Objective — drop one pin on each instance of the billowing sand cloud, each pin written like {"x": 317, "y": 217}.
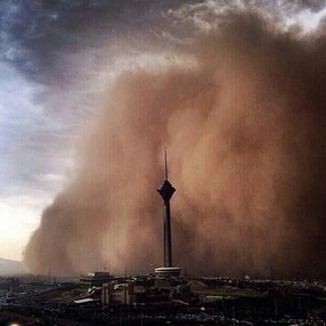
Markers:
{"x": 244, "y": 123}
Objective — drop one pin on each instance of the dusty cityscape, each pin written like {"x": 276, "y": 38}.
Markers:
{"x": 103, "y": 299}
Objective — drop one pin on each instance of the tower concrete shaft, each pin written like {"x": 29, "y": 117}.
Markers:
{"x": 167, "y": 235}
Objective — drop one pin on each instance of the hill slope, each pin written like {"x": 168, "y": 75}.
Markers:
{"x": 10, "y": 267}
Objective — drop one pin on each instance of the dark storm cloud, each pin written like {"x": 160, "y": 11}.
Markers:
{"x": 37, "y": 34}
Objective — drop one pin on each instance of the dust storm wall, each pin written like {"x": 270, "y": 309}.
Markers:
{"x": 241, "y": 111}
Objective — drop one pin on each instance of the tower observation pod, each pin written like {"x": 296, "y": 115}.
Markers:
{"x": 166, "y": 190}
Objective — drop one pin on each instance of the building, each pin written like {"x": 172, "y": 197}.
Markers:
{"x": 118, "y": 293}
{"x": 96, "y": 279}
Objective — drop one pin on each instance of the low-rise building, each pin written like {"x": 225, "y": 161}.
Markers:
{"x": 96, "y": 279}
{"x": 118, "y": 293}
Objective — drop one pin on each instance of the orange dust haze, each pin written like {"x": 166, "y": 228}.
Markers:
{"x": 242, "y": 113}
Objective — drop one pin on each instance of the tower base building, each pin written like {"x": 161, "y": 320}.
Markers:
{"x": 167, "y": 272}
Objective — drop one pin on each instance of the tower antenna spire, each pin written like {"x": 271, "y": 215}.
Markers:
{"x": 165, "y": 164}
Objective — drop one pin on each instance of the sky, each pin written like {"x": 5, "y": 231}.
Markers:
{"x": 56, "y": 58}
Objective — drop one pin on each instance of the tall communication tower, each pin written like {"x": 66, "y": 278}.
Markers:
{"x": 166, "y": 190}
